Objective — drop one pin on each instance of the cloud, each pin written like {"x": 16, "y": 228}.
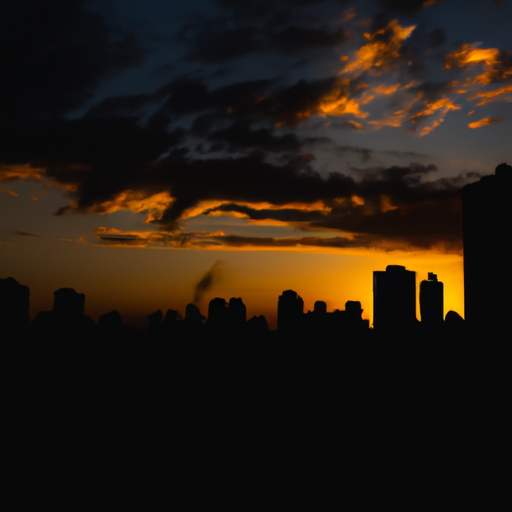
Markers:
{"x": 56, "y": 53}
{"x": 497, "y": 64}
{"x": 239, "y": 136}
{"x": 289, "y": 215}
{"x": 486, "y": 121}
{"x": 19, "y": 172}
{"x": 367, "y": 154}
{"x": 245, "y": 28}
{"x": 289, "y": 242}
{"x": 501, "y": 94}
{"x": 224, "y": 146}
{"x": 383, "y": 49}
{"x": 406, "y": 6}
{"x": 358, "y": 241}
{"x": 396, "y": 206}
{"x": 177, "y": 238}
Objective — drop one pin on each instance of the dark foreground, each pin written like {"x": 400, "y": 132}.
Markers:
{"x": 266, "y": 422}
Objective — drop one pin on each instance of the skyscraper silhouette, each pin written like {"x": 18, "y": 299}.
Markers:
{"x": 431, "y": 301}
{"x": 487, "y": 230}
{"x": 394, "y": 298}
{"x": 290, "y": 310}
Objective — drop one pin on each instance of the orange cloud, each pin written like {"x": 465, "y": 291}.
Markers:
{"x": 137, "y": 202}
{"x": 497, "y": 64}
{"x": 501, "y": 94}
{"x": 117, "y": 238}
{"x": 336, "y": 104}
{"x": 386, "y": 90}
{"x": 20, "y": 172}
{"x": 380, "y": 52}
{"x": 466, "y": 54}
{"x": 486, "y": 121}
{"x": 440, "y": 107}
{"x": 355, "y": 124}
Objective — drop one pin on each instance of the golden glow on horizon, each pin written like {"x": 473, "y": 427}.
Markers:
{"x": 139, "y": 282}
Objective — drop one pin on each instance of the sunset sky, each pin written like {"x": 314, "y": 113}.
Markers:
{"x": 286, "y": 144}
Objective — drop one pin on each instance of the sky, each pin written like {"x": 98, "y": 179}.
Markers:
{"x": 271, "y": 145}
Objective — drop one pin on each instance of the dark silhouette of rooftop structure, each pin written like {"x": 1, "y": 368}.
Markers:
{"x": 394, "y": 298}
{"x": 487, "y": 230}
{"x": 67, "y": 318}
{"x": 222, "y": 314}
{"x": 67, "y": 302}
{"x": 237, "y": 311}
{"x": 290, "y": 310}
{"x": 14, "y": 305}
{"x": 320, "y": 308}
{"x": 110, "y": 321}
{"x": 193, "y": 315}
{"x": 431, "y": 300}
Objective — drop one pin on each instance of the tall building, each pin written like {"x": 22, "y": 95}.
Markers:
{"x": 487, "y": 239}
{"x": 394, "y": 298}
{"x": 290, "y": 310}
{"x": 431, "y": 300}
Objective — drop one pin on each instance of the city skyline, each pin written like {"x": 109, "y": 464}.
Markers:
{"x": 395, "y": 298}
{"x": 287, "y": 145}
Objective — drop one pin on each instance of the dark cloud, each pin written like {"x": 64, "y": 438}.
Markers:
{"x": 394, "y": 213}
{"x": 249, "y": 241}
{"x": 397, "y": 202}
{"x": 405, "y": 6}
{"x": 239, "y": 136}
{"x": 284, "y": 214}
{"x": 255, "y": 101}
{"x": 296, "y": 38}
{"x": 265, "y": 9}
{"x": 501, "y": 70}
{"x": 248, "y": 27}
{"x": 248, "y": 179}
{"x": 367, "y": 154}
{"x": 236, "y": 143}
{"x": 216, "y": 45}
{"x": 53, "y": 55}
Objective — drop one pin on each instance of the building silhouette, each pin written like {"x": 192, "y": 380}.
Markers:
{"x": 487, "y": 230}
{"x": 14, "y": 304}
{"x": 394, "y": 297}
{"x": 222, "y": 314}
{"x": 290, "y": 310}
{"x": 431, "y": 300}
{"x": 237, "y": 312}
{"x": 218, "y": 312}
{"x": 320, "y": 308}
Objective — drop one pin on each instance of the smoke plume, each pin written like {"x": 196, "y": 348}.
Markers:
{"x": 208, "y": 280}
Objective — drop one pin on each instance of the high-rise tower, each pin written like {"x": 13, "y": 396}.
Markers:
{"x": 487, "y": 232}
{"x": 431, "y": 301}
{"x": 394, "y": 298}
{"x": 290, "y": 310}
